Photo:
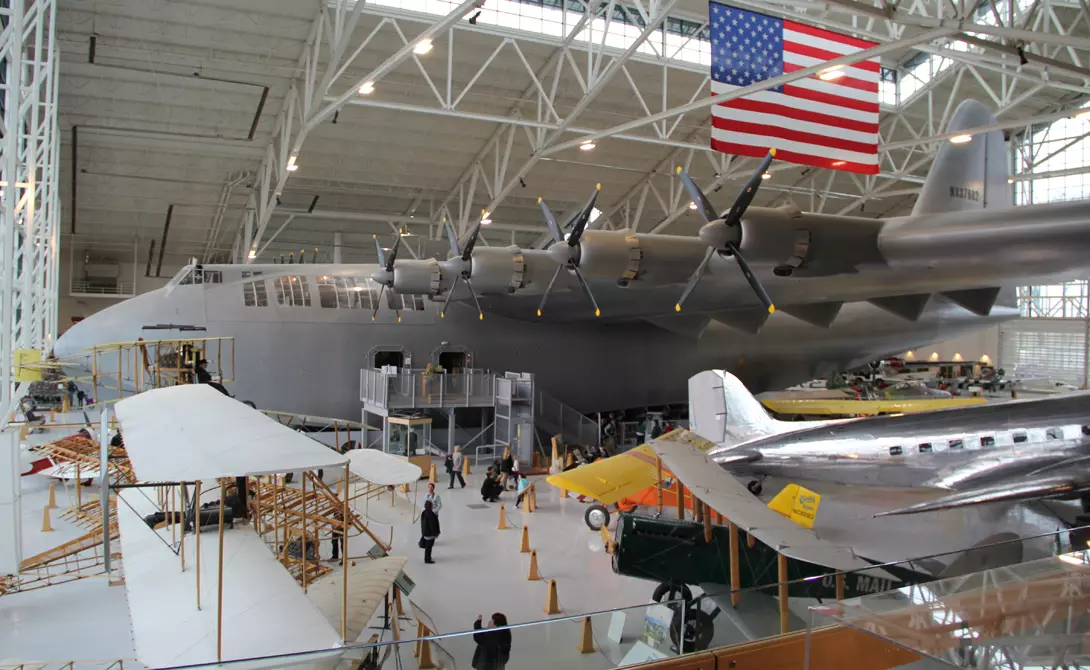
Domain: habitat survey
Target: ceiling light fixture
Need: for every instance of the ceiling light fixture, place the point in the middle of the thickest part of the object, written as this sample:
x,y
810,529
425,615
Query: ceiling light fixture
x,y
485,217
252,255
587,146
829,74
292,167
422,47
765,175
357,288
692,205
961,139
368,88
1010,180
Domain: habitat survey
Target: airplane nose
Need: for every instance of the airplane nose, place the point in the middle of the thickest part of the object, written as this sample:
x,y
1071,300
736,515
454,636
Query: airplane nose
x,y
125,321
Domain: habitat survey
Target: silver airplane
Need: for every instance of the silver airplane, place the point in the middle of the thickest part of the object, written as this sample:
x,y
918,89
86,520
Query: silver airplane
x,y
848,290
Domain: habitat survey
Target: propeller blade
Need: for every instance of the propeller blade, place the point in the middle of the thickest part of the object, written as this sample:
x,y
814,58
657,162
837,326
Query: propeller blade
x,y
453,238
583,218
548,289
443,312
393,254
378,302
746,196
762,295
586,289
550,220
705,207
695,278
471,242
378,248
480,312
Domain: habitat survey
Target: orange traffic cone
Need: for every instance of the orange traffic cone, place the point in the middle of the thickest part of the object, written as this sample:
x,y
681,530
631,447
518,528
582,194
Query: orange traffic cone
x,y
525,548
503,519
46,526
534,574
586,640
552,603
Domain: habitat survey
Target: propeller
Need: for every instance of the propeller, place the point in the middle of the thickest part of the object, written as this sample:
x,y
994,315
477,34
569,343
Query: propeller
x,y
566,252
465,256
385,274
723,234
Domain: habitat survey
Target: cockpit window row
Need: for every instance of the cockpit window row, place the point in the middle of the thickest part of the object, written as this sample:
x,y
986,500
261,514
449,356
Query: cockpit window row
x,y
333,293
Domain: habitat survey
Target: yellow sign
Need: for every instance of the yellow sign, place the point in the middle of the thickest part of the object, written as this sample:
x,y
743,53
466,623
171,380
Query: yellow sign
x,y
26,368
798,504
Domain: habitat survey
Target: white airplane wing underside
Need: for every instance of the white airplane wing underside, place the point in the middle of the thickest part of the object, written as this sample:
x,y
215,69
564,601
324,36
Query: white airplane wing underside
x,y
369,580
722,492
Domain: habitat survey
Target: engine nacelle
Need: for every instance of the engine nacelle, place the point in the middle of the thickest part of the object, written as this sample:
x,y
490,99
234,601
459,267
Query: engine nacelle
x,y
624,257
498,269
417,277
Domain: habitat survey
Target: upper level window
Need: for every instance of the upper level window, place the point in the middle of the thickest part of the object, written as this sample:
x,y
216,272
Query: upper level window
x,y
956,444
895,451
1019,438
254,293
987,441
293,291
925,448
342,293
1054,434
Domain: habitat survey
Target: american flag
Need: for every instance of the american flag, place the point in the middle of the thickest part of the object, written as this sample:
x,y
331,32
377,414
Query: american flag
x,y
830,124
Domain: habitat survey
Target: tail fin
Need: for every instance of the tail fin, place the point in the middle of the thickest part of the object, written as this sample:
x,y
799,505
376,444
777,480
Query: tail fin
x,y
722,410
969,175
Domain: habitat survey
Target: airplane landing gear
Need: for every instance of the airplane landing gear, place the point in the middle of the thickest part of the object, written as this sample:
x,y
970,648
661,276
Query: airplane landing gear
x,y
596,517
697,630
671,593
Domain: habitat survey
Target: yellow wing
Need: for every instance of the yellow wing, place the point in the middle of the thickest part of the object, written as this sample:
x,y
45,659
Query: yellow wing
x,y
837,407
611,479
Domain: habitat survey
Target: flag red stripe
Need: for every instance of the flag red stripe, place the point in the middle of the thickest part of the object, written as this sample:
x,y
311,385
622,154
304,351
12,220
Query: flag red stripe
x,y
828,35
843,80
823,54
794,135
795,157
829,98
751,105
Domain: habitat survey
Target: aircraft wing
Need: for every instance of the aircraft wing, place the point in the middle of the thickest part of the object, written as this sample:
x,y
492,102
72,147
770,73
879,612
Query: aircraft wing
x,y
1015,491
368,583
612,479
680,451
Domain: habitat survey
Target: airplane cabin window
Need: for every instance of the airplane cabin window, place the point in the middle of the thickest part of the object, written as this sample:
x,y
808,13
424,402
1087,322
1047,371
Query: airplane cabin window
x,y
340,293
987,441
1019,438
254,293
1054,434
956,444
895,451
925,447
293,291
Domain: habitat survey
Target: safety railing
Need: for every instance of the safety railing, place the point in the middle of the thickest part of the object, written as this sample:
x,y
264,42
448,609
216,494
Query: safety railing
x,y
412,389
576,428
86,288
652,631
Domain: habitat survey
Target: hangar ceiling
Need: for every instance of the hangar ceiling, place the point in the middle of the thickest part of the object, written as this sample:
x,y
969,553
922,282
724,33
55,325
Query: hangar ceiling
x,y
185,116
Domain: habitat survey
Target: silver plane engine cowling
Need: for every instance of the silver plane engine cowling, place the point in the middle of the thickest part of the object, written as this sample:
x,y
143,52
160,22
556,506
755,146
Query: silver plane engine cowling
x,y
417,277
460,266
498,270
384,276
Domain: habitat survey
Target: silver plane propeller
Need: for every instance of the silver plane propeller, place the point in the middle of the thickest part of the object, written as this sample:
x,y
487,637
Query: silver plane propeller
x,y
723,234
566,252
465,267
385,274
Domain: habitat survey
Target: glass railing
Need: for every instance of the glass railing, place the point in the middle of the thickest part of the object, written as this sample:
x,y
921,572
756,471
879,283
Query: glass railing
x,y
706,621
124,289
409,389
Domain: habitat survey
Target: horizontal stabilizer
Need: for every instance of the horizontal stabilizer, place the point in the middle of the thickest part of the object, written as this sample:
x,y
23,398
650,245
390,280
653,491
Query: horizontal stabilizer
x,y
1033,489
681,451
687,325
821,314
797,503
746,320
908,307
979,301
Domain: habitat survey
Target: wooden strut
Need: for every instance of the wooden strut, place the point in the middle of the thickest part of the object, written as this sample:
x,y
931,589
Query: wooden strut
x,y
735,567
181,551
680,501
344,560
304,552
658,464
785,623
840,586
219,599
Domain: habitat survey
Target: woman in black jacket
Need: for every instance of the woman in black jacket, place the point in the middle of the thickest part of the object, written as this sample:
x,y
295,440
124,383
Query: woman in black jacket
x,y
494,646
429,530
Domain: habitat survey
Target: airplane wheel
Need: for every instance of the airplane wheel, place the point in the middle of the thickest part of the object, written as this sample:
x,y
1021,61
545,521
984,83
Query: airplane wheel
x,y
288,477
699,630
672,592
755,487
596,517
